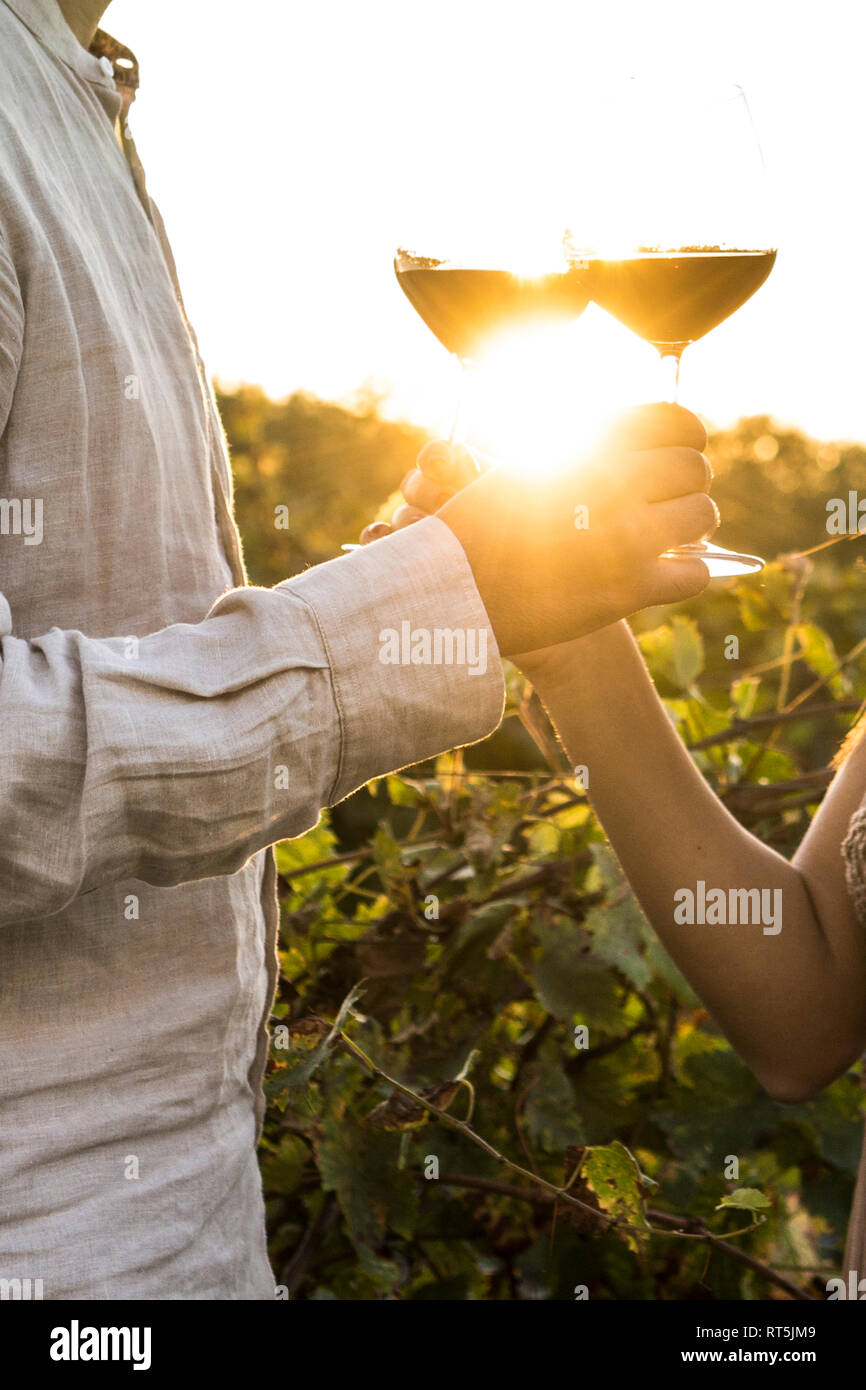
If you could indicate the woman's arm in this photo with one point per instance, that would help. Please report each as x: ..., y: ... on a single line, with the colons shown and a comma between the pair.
x: 791, y: 998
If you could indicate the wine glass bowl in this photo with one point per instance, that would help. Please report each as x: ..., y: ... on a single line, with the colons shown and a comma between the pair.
x: 469, y: 308
x: 673, y: 297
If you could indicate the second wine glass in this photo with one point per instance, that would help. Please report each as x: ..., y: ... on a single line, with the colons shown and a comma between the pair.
x: 674, y: 232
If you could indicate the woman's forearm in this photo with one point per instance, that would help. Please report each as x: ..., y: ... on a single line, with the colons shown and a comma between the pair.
x: 783, y: 968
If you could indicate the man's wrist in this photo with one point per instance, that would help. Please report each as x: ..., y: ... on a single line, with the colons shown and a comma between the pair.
x: 414, y: 662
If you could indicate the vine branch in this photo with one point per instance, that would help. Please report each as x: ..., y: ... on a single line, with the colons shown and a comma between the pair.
x: 543, y: 1199
x: 555, y: 1192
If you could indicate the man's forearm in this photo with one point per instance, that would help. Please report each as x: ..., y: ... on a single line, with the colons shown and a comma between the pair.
x: 179, y: 755
x: 788, y: 1002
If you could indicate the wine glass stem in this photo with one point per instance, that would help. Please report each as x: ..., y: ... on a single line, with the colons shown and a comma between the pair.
x: 457, y: 422
x: 457, y: 418
x: 671, y: 369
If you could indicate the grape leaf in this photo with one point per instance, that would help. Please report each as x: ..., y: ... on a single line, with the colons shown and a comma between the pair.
x: 746, y: 1198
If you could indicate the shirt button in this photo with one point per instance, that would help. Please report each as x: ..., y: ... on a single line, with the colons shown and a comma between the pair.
x: 107, y: 66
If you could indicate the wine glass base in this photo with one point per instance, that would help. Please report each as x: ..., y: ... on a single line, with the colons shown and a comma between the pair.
x: 721, y: 563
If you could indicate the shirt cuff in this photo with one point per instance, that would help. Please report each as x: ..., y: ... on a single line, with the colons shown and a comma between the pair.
x: 415, y: 665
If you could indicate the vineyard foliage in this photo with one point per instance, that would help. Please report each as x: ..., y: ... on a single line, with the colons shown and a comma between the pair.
x: 473, y: 1014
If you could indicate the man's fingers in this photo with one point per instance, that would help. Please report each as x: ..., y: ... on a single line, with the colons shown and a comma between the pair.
x: 449, y: 465
x: 420, y: 492
x: 655, y: 426
x: 681, y: 521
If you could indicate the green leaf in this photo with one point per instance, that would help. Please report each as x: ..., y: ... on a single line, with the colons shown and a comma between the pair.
x: 618, y: 927
x: 767, y: 603
x: 819, y: 652
x: 550, y: 1113
x: 403, y: 793
x: 383, y: 1273
x: 568, y: 982
x: 454, y: 1289
x: 318, y: 843
x: 774, y: 766
x: 612, y: 1174
x: 688, y: 651
x: 386, y: 851
x: 362, y: 1167
x: 610, y: 874
x: 543, y: 840
x: 617, y: 938
x: 744, y: 695
x: 695, y: 719
x: 283, y: 1168
x: 668, y: 973
x: 515, y: 687
x: 834, y: 1119
x: 777, y: 582
x: 720, y: 1110
x: 746, y: 1198
x: 675, y: 652
x: 756, y: 614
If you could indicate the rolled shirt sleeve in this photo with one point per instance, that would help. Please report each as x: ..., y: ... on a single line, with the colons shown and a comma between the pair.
x: 178, y: 755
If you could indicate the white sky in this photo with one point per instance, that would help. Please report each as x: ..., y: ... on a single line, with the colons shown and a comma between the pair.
x: 279, y: 137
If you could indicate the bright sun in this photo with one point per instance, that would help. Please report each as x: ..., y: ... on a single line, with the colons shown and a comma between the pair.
x: 540, y: 399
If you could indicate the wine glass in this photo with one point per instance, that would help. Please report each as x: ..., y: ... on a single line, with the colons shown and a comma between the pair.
x: 674, y: 234
x: 471, y: 303
x: 482, y: 259
x: 484, y: 205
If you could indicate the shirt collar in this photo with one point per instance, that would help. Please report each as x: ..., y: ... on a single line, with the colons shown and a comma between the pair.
x: 124, y: 66
x: 45, y: 20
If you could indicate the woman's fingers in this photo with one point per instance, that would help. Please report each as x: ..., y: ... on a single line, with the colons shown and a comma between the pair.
x: 674, y: 471
x: 405, y: 516
x: 419, y: 491
x: 674, y: 580
x: 442, y: 470
x: 375, y: 531
x: 449, y: 465
x: 657, y: 425
x: 680, y: 521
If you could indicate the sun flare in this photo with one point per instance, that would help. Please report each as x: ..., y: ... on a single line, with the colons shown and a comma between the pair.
x: 540, y: 399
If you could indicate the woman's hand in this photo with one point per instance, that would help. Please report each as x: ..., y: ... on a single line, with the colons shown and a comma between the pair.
x: 441, y: 470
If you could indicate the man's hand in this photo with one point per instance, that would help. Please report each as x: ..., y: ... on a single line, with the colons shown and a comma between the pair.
x: 557, y: 559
